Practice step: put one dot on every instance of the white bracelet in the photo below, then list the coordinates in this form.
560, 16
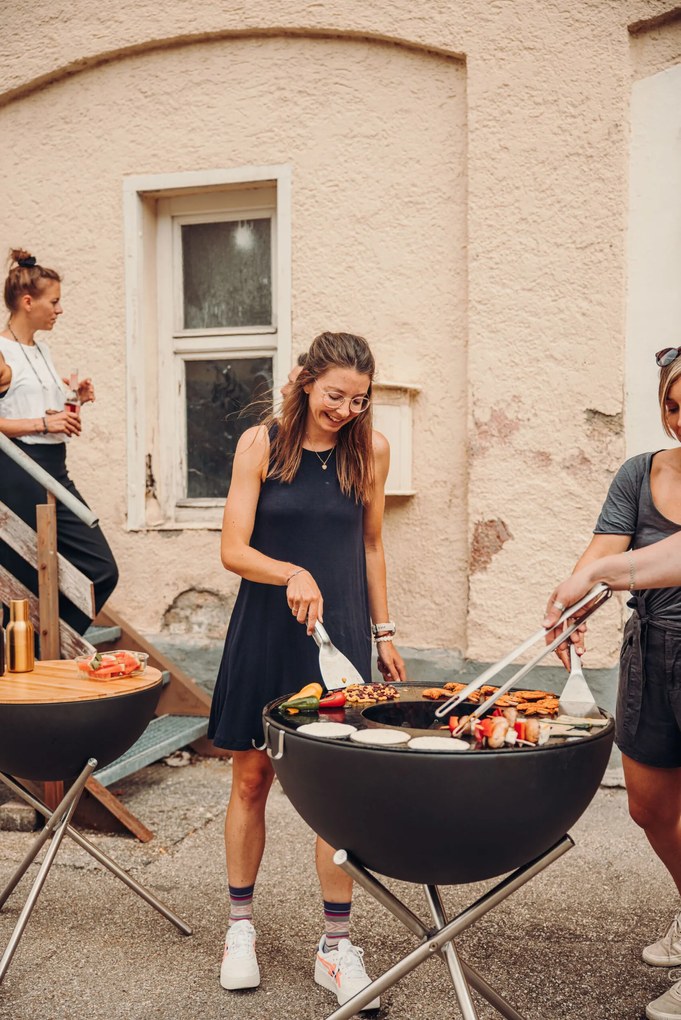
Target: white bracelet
385, 637
383, 628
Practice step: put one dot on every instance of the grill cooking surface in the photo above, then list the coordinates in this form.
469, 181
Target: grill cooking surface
412, 713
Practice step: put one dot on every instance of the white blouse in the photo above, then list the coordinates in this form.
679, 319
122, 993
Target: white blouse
35, 387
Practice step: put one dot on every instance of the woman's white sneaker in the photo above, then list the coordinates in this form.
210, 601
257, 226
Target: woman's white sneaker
342, 972
667, 951
668, 1006
239, 964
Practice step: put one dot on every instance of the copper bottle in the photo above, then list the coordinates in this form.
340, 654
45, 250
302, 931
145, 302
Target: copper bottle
19, 638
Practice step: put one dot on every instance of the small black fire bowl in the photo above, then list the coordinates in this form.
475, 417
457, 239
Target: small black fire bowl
54, 741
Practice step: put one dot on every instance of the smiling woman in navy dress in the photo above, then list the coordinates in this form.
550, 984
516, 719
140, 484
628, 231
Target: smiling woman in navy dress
302, 527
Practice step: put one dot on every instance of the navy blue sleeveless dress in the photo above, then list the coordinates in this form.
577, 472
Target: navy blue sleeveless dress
267, 652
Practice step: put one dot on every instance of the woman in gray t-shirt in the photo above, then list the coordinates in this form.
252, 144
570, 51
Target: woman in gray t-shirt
643, 506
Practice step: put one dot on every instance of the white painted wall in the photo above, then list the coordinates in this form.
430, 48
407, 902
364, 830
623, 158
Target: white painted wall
654, 250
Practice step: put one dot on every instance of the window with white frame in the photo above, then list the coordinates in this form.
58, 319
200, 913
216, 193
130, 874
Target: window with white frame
222, 342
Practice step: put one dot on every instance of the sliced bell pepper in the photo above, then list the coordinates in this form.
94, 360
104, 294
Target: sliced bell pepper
334, 699
294, 705
309, 691
484, 728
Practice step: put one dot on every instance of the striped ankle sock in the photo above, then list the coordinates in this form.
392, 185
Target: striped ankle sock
336, 923
240, 903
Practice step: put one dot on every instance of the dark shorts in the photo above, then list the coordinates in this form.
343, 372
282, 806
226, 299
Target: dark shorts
648, 717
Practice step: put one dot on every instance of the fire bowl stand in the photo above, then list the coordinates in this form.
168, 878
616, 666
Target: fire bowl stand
440, 940
57, 825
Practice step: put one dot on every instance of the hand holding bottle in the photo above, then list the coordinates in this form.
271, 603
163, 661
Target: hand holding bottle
67, 423
80, 391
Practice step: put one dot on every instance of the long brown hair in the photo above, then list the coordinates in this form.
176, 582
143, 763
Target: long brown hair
354, 447
25, 277
668, 376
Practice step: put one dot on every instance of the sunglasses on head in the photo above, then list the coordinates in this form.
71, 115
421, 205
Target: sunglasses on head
667, 355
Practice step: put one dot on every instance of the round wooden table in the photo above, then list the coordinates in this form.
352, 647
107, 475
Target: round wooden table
56, 723
56, 717
60, 680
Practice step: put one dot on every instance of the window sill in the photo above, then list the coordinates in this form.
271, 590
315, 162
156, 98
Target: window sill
178, 526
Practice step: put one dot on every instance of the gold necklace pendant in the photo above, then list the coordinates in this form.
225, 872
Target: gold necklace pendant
321, 459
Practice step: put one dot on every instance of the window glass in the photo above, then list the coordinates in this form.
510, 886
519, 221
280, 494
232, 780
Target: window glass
217, 392
227, 274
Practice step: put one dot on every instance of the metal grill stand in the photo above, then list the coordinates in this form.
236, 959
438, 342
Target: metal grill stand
440, 940
58, 825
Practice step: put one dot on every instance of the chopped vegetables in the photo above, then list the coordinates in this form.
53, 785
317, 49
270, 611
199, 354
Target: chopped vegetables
112, 665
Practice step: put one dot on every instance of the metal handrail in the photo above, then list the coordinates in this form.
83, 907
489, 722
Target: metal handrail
41, 476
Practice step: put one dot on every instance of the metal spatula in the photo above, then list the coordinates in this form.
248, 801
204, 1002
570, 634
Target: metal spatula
336, 668
577, 699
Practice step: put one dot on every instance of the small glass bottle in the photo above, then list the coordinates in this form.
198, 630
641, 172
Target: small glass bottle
72, 401
20, 656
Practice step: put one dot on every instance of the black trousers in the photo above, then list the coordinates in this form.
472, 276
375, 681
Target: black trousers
85, 547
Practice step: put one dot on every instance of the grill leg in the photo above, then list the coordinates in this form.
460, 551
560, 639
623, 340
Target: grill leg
459, 970
53, 820
99, 856
451, 957
480, 985
440, 941
58, 822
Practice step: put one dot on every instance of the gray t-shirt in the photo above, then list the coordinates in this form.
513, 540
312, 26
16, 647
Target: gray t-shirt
629, 510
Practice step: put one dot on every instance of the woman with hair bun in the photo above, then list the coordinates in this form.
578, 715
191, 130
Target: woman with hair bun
33, 415
302, 527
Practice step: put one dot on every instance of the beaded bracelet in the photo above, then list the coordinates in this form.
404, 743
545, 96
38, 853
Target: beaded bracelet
385, 637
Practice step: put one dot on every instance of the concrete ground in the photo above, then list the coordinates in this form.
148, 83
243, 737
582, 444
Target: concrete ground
567, 945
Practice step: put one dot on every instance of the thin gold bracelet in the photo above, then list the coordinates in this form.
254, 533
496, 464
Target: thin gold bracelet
632, 570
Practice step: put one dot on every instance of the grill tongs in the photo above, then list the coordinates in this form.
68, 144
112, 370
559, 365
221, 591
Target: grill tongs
600, 593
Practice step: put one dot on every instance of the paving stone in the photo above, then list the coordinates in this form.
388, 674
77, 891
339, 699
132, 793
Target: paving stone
16, 816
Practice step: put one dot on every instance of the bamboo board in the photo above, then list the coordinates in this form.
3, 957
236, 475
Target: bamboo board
60, 680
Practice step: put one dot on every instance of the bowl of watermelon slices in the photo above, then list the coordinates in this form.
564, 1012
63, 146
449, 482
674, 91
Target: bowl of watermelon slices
112, 665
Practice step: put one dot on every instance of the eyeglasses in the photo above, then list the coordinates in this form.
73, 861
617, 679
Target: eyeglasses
336, 400
667, 355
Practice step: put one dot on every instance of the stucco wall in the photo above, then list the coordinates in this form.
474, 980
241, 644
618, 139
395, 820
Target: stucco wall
375, 136
518, 150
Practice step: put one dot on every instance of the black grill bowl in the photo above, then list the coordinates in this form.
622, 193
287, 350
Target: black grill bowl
438, 818
54, 741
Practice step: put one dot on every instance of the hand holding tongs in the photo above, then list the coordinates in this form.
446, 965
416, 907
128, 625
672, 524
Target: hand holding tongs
600, 592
